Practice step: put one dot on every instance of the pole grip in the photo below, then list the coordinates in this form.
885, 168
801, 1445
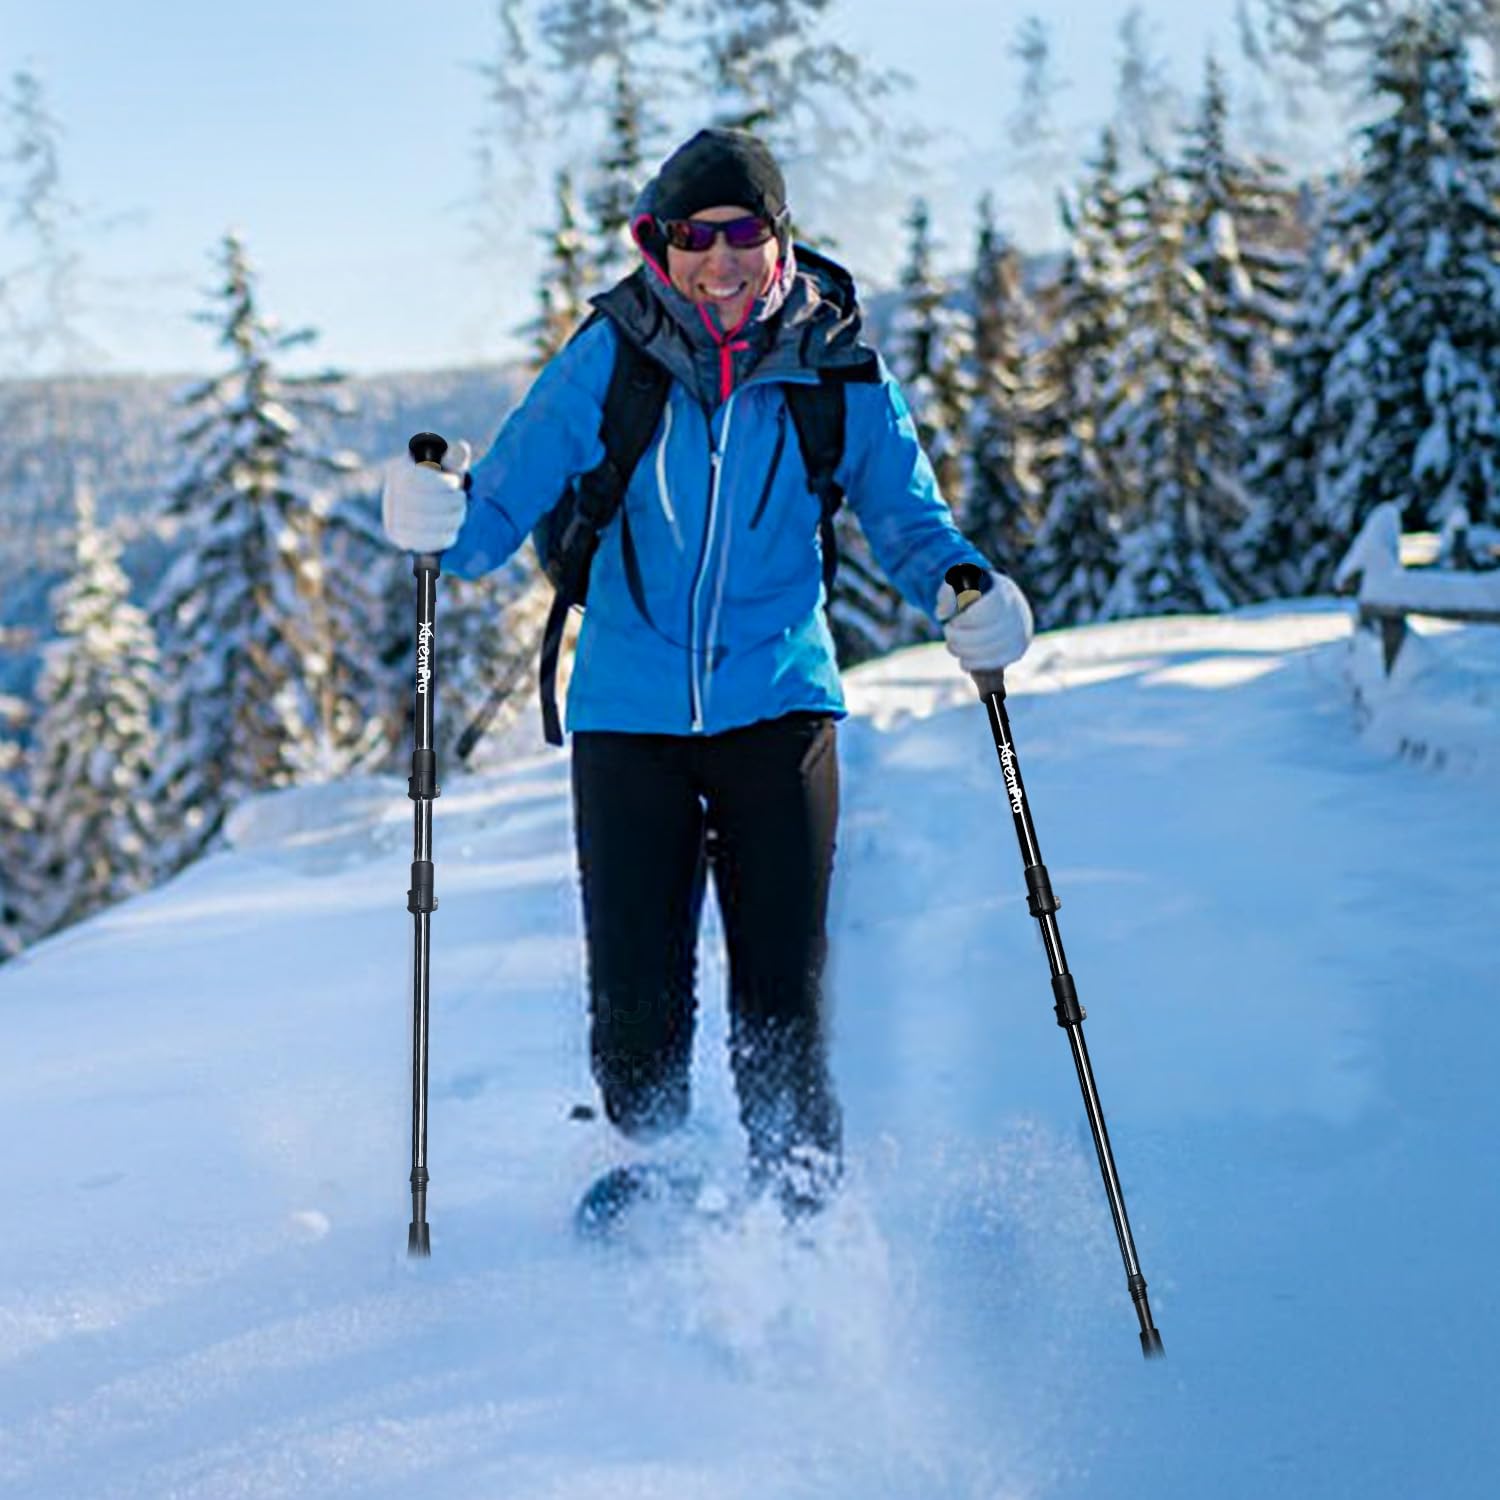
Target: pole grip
427, 449
970, 582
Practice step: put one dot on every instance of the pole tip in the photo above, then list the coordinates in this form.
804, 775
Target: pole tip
1151, 1344
419, 1241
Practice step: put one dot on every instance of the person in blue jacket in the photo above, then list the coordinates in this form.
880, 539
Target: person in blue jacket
706, 709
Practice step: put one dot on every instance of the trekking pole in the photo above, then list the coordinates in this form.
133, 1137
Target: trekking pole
426, 448
965, 580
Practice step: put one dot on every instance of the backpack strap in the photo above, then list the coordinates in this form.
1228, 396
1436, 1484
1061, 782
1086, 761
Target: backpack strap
633, 406
818, 413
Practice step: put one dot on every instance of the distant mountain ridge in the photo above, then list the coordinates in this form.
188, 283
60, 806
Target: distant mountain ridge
122, 429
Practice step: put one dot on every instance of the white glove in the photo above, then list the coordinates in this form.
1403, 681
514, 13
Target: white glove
421, 508
993, 631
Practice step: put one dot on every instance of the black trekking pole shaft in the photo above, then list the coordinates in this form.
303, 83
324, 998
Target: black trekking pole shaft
1043, 905
421, 900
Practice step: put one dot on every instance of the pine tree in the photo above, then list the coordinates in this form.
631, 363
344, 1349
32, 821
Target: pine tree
517, 123
1034, 129
42, 322
564, 288
40, 296
15, 823
779, 68
868, 617
620, 173
1413, 390
928, 347
1274, 110
999, 513
350, 687
1172, 415
584, 36
264, 677
591, 45
1339, 39
1238, 217
1145, 99
1287, 547
931, 345
504, 615
92, 759
1075, 559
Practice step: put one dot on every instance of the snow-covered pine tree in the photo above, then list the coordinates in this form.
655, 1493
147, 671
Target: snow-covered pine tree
1035, 130
590, 46
777, 66
1274, 100
263, 677
40, 295
582, 35
517, 129
15, 822
1236, 238
92, 759
782, 69
1146, 101
506, 614
1075, 559
621, 171
42, 310
926, 348
1172, 418
563, 293
1338, 38
358, 697
1413, 390
1287, 547
931, 344
998, 485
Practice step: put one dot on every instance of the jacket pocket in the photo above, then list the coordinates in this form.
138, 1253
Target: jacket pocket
765, 494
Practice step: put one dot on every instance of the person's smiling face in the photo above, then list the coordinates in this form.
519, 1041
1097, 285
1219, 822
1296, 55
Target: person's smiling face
721, 277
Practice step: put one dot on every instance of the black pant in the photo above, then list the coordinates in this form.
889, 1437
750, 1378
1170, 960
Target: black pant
653, 812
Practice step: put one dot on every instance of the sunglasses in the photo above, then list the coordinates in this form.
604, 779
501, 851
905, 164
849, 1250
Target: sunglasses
699, 235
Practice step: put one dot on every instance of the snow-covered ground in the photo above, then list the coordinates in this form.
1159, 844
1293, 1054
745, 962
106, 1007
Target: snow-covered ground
1285, 938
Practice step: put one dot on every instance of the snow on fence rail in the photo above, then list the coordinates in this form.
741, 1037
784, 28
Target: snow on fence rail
1387, 592
1431, 695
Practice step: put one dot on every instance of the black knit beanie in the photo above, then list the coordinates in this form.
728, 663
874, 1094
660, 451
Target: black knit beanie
720, 167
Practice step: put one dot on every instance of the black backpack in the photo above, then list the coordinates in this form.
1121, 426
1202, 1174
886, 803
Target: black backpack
567, 537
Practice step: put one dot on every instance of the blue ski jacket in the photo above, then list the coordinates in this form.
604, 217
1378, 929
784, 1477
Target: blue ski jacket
723, 523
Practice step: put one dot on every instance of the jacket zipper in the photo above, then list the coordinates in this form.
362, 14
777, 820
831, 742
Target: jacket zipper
716, 470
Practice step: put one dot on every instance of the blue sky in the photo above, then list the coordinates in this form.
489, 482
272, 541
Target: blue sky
337, 135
